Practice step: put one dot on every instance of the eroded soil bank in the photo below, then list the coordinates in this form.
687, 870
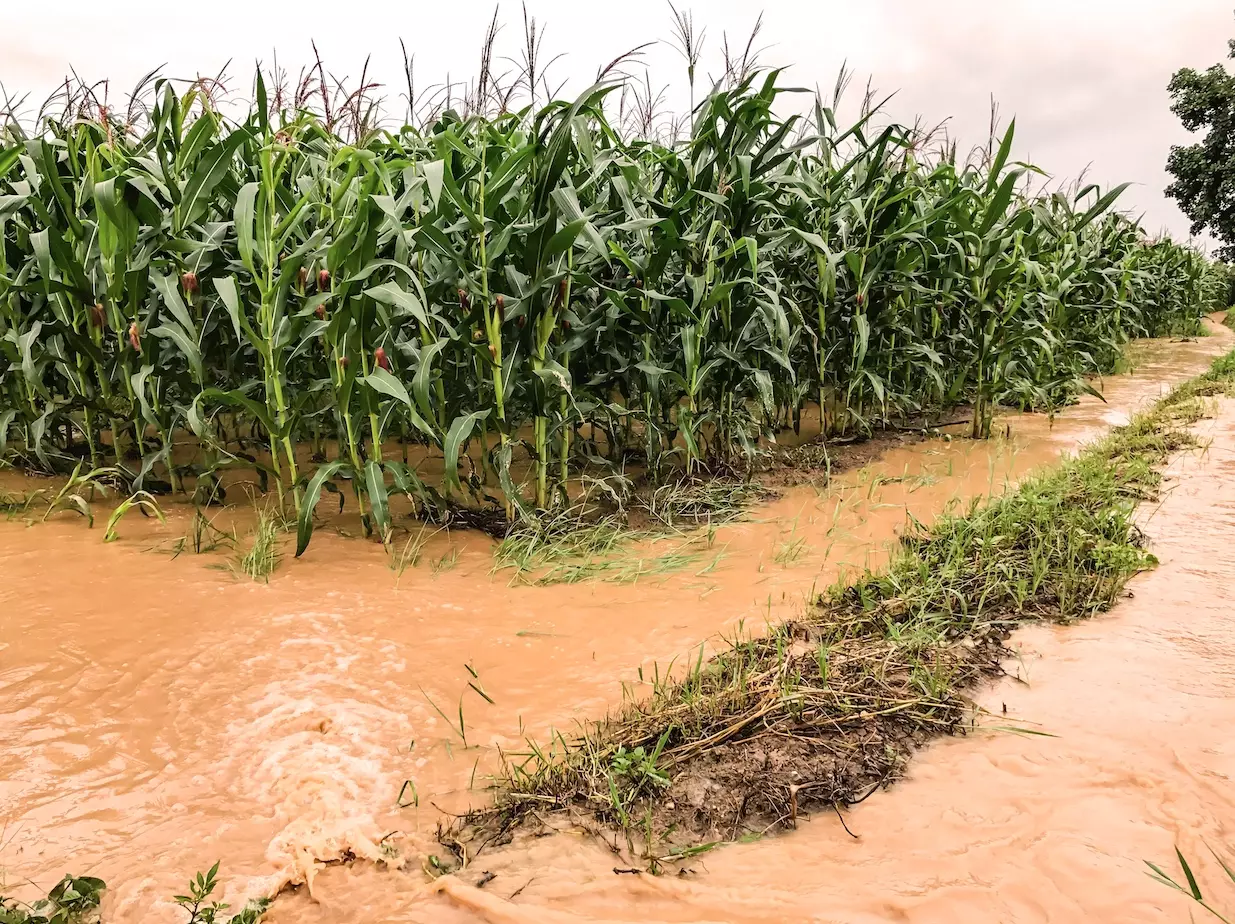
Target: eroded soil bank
156, 716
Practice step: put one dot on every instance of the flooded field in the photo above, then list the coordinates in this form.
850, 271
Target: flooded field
158, 714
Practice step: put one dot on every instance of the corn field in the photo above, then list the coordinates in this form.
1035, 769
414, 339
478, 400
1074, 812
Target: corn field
472, 312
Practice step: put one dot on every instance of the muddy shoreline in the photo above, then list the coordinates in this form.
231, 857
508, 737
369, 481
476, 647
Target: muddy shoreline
823, 710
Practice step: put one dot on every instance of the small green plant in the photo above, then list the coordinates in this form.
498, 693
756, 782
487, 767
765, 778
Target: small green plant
205, 536
74, 900
14, 505
410, 554
201, 910
141, 500
638, 766
447, 561
792, 548
634, 772
77, 493
461, 731
408, 795
262, 557
202, 536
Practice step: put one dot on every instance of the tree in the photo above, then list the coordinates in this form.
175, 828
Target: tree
1205, 172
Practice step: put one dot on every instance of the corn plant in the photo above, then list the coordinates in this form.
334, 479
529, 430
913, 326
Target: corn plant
474, 311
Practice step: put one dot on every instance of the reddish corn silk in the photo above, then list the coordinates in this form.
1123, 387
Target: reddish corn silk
382, 360
501, 309
135, 336
188, 282
323, 280
320, 312
96, 315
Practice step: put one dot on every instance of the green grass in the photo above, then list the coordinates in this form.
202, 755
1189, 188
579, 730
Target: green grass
583, 543
822, 710
604, 551
262, 556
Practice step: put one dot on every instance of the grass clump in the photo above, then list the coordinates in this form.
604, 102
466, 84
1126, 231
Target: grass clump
262, 557
620, 542
823, 710
546, 552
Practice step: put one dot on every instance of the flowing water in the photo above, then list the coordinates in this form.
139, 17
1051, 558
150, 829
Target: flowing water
157, 715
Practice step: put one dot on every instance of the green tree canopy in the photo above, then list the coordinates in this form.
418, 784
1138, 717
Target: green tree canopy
1204, 172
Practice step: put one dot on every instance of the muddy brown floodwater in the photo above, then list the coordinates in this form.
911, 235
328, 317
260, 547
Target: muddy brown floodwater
157, 715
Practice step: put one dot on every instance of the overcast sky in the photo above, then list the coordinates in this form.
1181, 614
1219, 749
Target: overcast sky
1085, 79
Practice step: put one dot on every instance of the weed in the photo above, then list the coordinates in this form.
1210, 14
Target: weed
74, 900
141, 500
632, 773
412, 800
789, 550
410, 554
461, 731
447, 561
204, 536
201, 910
261, 558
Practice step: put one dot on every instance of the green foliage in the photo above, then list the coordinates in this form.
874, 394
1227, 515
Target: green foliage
638, 768
141, 500
522, 295
201, 910
633, 773
74, 900
261, 558
1204, 185
1219, 287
